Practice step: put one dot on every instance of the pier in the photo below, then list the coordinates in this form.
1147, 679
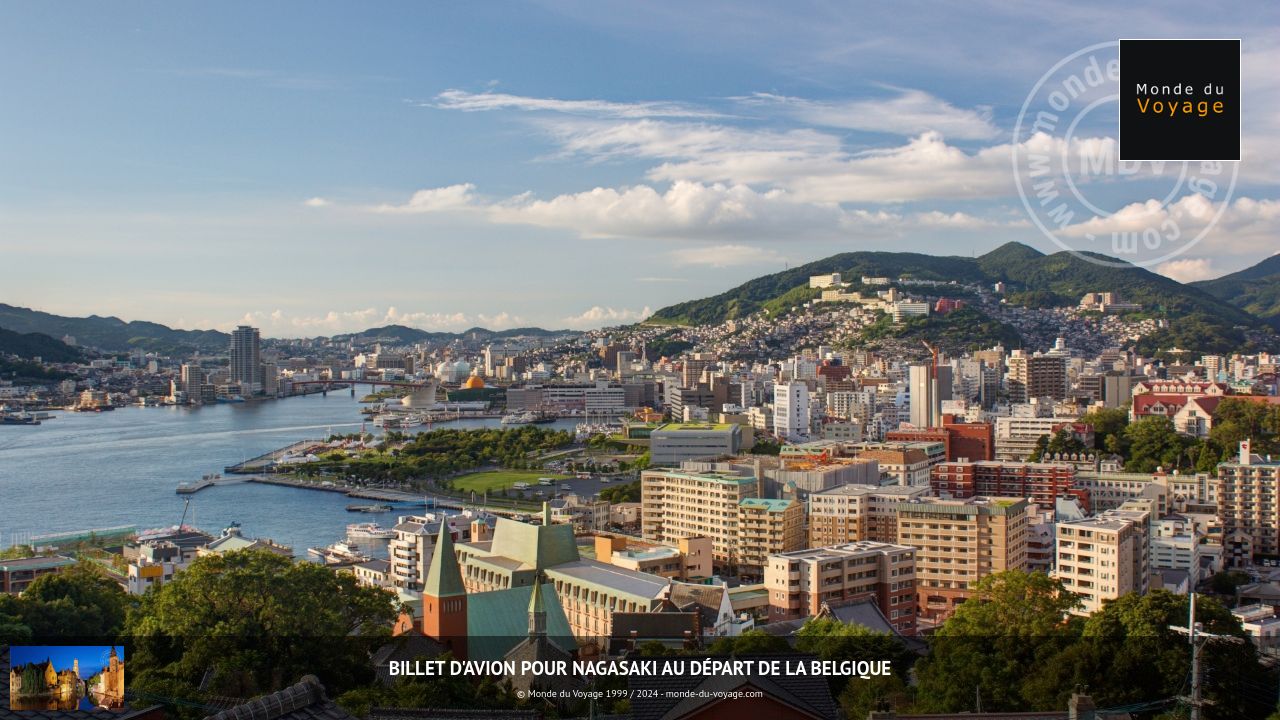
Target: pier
396, 496
267, 461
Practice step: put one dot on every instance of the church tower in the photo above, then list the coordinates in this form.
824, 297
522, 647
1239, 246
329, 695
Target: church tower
444, 599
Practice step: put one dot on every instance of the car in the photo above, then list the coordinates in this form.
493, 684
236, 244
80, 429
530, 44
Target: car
566, 486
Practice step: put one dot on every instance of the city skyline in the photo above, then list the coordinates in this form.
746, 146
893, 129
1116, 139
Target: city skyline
318, 171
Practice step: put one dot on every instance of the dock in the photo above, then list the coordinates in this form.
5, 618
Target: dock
395, 496
206, 482
267, 461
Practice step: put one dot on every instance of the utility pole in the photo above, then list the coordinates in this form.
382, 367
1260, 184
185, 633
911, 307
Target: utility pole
1195, 661
1197, 637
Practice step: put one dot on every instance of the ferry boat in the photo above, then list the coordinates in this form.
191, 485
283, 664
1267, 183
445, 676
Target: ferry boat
18, 419
369, 531
369, 508
519, 418
339, 553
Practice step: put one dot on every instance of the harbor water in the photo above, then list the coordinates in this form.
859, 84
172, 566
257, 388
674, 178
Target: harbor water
81, 471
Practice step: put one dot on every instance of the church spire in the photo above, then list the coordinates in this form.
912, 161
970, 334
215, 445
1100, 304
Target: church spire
537, 610
444, 577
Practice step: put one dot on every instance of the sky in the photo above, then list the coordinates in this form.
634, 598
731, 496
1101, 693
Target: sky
93, 658
316, 168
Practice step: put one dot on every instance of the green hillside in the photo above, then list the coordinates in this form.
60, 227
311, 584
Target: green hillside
752, 295
33, 345
1255, 290
111, 333
1198, 319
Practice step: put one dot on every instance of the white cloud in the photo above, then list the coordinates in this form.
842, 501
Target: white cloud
598, 316
727, 256
685, 210
316, 202
480, 102
441, 199
1187, 270
910, 112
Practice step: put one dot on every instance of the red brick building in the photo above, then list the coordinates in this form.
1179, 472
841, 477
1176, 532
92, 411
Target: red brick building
1041, 482
963, 441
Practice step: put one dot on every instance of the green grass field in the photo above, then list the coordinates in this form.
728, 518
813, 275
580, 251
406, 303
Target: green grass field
501, 479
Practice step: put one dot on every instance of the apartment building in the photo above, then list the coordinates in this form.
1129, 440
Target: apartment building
959, 542
1104, 557
1248, 502
853, 513
1043, 483
1016, 437
722, 505
904, 463
767, 526
801, 582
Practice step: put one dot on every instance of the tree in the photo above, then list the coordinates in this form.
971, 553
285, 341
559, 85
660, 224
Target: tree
994, 641
1237, 419
1153, 442
1129, 654
80, 601
1106, 422
256, 621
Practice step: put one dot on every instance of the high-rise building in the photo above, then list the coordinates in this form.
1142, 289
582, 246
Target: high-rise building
1249, 504
1104, 557
191, 378
1036, 376
801, 582
791, 410
853, 513
929, 387
958, 543
724, 506
246, 359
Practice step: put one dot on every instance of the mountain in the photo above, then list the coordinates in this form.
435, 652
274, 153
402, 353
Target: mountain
111, 333
32, 345
408, 335
1197, 318
1255, 289
752, 295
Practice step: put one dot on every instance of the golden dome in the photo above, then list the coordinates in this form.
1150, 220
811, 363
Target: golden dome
474, 382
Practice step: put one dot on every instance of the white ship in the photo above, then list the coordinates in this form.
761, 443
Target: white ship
369, 531
519, 418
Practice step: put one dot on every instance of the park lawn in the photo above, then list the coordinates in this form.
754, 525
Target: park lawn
501, 479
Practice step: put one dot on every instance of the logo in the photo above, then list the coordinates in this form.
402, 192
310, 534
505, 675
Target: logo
1082, 196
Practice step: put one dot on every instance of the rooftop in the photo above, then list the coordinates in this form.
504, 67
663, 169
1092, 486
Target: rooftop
766, 504
621, 580
835, 552
36, 563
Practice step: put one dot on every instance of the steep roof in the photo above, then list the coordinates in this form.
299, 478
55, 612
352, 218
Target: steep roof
304, 701
444, 576
538, 546
497, 621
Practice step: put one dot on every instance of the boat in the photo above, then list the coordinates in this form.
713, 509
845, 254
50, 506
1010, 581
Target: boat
369, 508
369, 531
340, 553
18, 419
519, 418
543, 418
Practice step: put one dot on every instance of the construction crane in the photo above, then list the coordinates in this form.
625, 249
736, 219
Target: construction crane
933, 354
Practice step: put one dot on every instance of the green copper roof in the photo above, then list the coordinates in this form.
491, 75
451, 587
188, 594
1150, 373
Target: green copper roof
498, 621
444, 577
538, 546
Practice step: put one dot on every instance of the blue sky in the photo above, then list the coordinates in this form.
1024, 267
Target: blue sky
323, 167
93, 658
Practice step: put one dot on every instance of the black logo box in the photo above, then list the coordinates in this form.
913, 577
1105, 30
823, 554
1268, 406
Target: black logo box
1187, 68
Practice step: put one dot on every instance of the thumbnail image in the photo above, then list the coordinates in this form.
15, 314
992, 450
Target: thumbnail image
66, 677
